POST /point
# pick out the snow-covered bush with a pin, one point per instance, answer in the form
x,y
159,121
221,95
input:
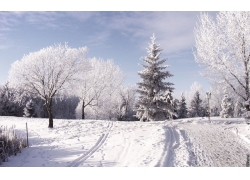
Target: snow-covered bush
x,y
11,143
227,107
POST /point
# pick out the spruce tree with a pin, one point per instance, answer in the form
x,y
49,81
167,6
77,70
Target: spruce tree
x,y
182,107
29,110
196,109
238,109
154,94
227,107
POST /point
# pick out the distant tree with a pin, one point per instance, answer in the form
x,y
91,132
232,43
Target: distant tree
x,y
126,101
215,111
195,86
196,109
49,71
30,109
227,107
182,107
103,79
238,109
9,104
151,101
64,108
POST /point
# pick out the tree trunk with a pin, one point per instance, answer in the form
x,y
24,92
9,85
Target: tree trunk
x,y
49,109
83,113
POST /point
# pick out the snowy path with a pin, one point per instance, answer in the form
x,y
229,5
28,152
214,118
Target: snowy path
x,y
217,145
143,144
100,143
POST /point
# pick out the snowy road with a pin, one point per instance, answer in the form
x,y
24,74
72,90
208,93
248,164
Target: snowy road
x,y
216,145
92,143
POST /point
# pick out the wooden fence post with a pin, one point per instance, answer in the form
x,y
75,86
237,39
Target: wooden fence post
x,y
27,134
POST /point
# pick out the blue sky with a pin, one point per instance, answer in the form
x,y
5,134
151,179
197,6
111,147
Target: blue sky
x,y
122,36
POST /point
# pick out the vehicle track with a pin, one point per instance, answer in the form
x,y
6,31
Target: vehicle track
x,y
178,151
80,160
125,154
167,152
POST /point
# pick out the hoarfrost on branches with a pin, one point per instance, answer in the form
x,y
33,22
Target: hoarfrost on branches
x,y
49,71
223,49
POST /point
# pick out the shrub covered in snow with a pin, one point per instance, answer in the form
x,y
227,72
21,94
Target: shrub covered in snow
x,y
227,107
10,143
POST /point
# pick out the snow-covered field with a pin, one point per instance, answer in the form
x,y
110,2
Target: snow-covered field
x,y
192,142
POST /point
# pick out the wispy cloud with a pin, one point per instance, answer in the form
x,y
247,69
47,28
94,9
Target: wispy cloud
x,y
9,21
173,30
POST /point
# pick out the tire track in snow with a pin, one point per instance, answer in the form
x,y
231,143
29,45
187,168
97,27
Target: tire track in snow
x,y
166,155
98,144
124,157
177,150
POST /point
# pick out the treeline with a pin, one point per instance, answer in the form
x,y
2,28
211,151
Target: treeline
x,y
18,103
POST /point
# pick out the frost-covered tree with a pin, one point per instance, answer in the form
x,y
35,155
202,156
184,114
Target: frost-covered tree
x,y
195,86
152,101
196,109
182,107
124,110
103,79
223,49
170,105
238,109
49,71
227,107
30,109
11,102
64,108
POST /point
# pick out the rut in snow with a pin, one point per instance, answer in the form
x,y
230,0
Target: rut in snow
x,y
99,143
178,151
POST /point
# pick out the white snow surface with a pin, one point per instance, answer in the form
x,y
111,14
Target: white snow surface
x,y
192,142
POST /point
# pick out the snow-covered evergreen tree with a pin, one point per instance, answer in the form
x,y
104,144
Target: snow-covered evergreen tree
x,y
154,98
227,107
196,109
29,110
182,107
238,109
